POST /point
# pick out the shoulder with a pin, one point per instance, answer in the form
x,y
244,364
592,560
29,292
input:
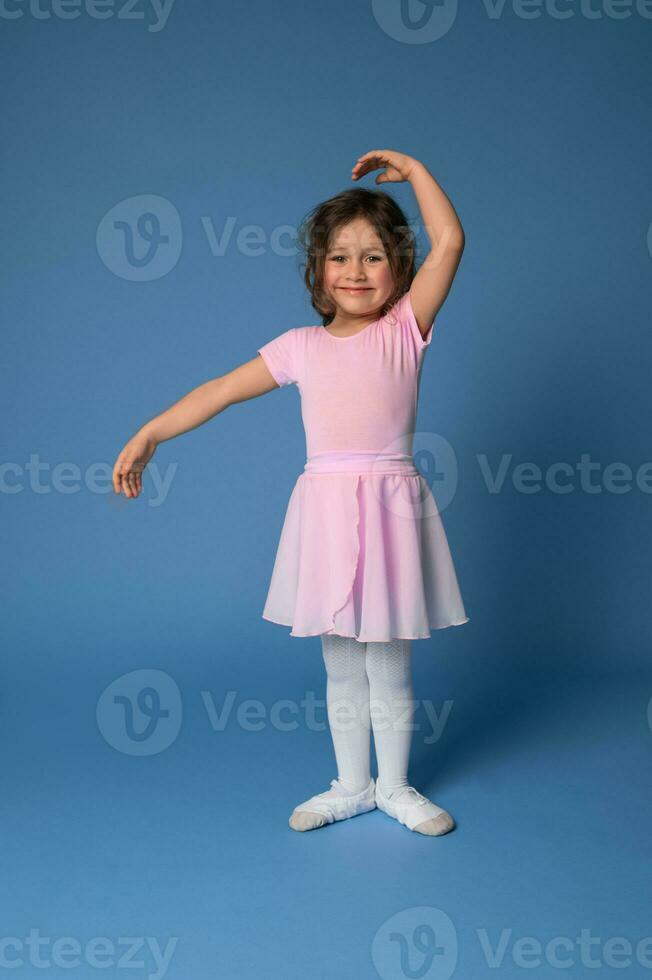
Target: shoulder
x,y
401,318
282,355
303,336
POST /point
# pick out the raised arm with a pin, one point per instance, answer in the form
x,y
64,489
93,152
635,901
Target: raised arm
x,y
248,380
433,281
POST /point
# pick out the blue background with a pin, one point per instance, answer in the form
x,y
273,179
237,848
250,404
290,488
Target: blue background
x,y
537,129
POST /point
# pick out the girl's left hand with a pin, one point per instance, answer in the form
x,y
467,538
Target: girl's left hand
x,y
398,166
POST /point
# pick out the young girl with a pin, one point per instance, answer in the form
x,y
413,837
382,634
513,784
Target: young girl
x,y
363,560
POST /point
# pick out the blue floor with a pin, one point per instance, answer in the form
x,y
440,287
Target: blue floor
x,y
171,855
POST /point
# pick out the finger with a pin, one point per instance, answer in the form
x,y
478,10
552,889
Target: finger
x,y
368,166
376,158
361,168
372,153
116,474
123,475
368,158
376,163
126,482
132,483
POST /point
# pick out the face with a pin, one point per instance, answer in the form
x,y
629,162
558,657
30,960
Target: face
x,y
357,275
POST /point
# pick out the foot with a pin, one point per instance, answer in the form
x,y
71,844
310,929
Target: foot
x,y
415,811
334,804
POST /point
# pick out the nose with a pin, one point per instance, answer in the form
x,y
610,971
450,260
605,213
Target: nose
x,y
356,274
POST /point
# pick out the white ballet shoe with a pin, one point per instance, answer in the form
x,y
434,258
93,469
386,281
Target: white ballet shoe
x,y
416,812
331,806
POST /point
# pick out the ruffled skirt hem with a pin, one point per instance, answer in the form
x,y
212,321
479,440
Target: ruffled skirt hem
x,y
367,639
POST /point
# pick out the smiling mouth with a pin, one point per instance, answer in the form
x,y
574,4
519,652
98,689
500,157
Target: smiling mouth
x,y
356,289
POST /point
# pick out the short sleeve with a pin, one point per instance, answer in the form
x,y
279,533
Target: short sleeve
x,y
408,324
280,356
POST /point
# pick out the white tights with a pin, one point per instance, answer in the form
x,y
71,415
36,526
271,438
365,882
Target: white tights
x,y
369,686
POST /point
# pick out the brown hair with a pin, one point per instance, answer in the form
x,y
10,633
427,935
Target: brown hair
x,y
381,210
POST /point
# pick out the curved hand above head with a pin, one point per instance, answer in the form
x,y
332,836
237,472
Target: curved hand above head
x,y
398,166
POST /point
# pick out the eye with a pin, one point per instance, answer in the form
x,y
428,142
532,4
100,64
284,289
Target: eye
x,y
334,258
377,257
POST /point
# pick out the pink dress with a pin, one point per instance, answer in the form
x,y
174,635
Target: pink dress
x,y
362,551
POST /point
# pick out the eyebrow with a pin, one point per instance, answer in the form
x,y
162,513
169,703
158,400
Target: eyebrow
x,y
343,248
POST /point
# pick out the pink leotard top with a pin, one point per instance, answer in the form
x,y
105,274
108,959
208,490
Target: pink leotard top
x,y
357,393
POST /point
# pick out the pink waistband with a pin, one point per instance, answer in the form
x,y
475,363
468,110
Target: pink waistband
x,y
361,461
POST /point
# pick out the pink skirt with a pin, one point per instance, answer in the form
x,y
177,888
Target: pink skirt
x,y
363,552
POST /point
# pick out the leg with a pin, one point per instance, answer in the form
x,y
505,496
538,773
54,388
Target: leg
x,y
389,670
347,702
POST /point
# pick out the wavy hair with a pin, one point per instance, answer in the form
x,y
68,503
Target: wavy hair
x,y
316,233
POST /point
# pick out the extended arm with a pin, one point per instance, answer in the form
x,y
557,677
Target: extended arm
x,y
246,381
